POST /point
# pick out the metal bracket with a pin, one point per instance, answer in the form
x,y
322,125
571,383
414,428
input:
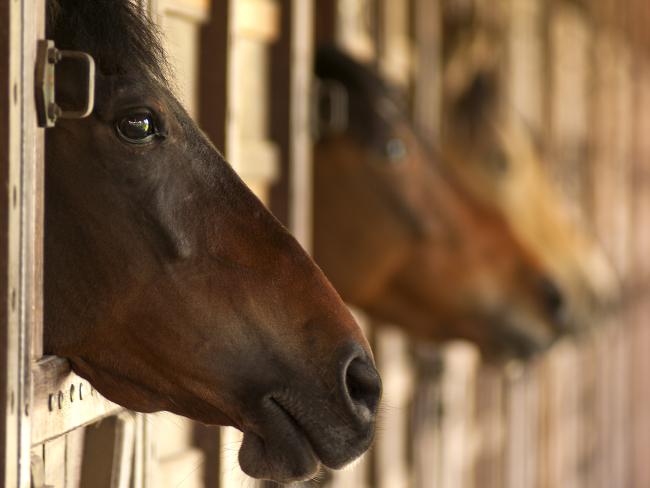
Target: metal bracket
x,y
47,57
38,472
331,108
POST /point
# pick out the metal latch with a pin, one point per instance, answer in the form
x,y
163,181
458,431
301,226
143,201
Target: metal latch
x,y
38,472
47,56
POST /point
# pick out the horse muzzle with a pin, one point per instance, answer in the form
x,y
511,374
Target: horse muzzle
x,y
298,429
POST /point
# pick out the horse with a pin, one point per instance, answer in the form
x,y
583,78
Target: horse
x,y
167,283
504,169
400,238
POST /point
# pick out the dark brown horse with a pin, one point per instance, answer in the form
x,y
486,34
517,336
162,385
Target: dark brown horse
x,y
399,238
168,284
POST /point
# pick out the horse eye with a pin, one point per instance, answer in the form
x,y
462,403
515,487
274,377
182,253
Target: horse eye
x,y
137,128
395,151
497,161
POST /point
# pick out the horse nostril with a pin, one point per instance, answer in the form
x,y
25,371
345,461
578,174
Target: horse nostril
x,y
553,298
362,388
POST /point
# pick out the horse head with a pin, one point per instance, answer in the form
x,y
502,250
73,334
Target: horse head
x,y
169,285
400,238
503,168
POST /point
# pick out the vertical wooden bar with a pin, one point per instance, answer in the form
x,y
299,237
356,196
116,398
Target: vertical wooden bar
x,y
610,199
428,400
391,449
387,24
7,381
491,428
291,82
427,412
54,458
214,55
74,458
356,27
302,55
427,85
33,180
457,424
525,68
394,39
522,417
22,174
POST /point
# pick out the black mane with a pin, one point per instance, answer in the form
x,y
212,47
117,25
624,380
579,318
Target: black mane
x,y
117,33
375,107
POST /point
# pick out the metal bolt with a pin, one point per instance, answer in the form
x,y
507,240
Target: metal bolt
x,y
53,111
54,55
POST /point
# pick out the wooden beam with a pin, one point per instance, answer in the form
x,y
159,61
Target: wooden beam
x,y
64,401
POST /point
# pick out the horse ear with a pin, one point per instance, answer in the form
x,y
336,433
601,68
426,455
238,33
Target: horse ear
x,y
330,108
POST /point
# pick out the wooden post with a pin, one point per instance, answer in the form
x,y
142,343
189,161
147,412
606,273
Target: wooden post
x,y
21,218
291,84
427,84
7,46
356,28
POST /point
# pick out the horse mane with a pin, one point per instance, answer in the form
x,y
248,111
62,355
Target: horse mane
x,y
117,33
374,107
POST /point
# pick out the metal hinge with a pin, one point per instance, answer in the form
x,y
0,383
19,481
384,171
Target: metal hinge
x,y
38,472
47,110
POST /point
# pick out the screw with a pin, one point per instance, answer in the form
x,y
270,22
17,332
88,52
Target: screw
x,y
54,56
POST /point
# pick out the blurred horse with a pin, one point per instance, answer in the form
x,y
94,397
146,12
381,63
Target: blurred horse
x,y
402,240
170,286
503,168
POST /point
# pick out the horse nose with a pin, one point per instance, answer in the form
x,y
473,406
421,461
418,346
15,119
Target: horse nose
x,y
361,388
553,299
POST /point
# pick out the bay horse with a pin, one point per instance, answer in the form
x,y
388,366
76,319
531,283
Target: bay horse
x,y
169,286
401,239
504,169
